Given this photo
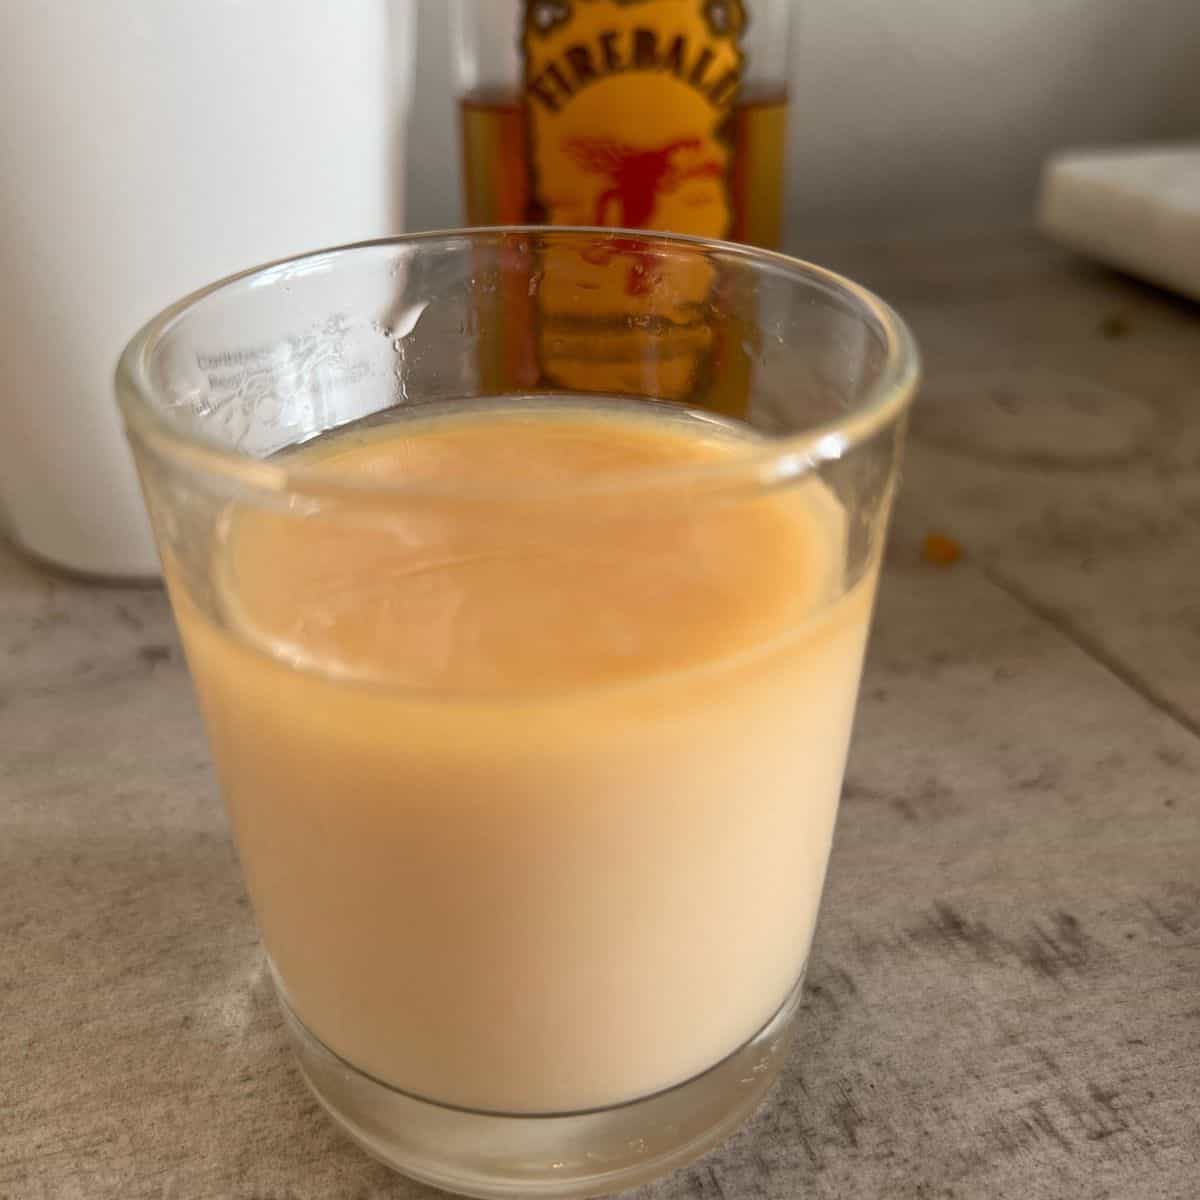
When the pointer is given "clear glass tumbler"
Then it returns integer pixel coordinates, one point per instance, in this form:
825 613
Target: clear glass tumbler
529 692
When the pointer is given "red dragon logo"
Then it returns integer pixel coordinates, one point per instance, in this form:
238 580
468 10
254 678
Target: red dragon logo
638 175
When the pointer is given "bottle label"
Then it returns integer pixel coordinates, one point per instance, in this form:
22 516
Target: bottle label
628 104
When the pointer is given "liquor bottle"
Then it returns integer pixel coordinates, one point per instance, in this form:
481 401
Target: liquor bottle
665 115
656 114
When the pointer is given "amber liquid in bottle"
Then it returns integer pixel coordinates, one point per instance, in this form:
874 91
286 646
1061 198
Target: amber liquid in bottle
496 163
704 361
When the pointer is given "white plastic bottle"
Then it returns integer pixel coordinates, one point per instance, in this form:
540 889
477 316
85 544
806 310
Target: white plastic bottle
146 149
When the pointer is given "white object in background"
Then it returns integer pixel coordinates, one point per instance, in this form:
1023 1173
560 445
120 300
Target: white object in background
1137 209
146 149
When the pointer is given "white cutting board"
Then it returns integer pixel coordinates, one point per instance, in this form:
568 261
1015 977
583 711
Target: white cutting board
1137 209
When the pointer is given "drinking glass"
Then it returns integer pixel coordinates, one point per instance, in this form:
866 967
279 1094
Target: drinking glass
544 936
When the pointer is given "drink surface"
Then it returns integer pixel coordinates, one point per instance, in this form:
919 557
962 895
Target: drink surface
534 785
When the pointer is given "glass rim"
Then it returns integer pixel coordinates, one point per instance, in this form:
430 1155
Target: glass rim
778 457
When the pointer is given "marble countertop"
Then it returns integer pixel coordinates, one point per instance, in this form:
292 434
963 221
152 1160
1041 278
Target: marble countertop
1004 996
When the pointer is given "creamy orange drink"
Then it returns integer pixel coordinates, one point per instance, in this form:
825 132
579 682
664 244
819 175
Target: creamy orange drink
534 795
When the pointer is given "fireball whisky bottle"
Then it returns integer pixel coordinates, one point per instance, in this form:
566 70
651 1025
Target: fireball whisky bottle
665 115
654 114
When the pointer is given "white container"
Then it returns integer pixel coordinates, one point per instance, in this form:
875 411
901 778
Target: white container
148 147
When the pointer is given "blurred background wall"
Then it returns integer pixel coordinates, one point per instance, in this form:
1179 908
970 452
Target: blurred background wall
909 115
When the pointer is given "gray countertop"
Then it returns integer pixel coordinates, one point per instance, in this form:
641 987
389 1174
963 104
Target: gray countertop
1004 996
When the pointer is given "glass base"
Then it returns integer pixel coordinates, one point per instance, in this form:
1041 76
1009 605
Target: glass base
582 1154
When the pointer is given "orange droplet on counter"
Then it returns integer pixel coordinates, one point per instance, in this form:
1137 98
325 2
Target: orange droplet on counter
940 550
